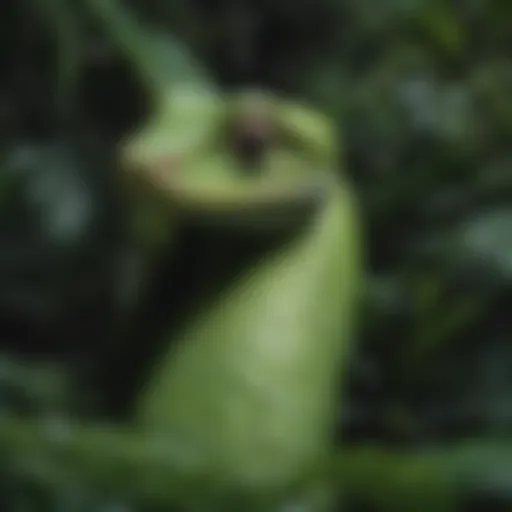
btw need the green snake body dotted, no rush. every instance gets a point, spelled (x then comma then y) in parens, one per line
(253, 382)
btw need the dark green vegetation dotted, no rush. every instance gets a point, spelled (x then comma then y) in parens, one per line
(422, 92)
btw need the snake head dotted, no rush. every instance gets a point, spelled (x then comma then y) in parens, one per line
(244, 156)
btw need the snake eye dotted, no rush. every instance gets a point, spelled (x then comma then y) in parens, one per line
(250, 147)
(254, 133)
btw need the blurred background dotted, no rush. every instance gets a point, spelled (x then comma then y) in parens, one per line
(422, 93)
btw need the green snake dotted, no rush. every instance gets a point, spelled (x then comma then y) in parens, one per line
(253, 381)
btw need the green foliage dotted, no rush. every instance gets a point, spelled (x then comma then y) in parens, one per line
(421, 92)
